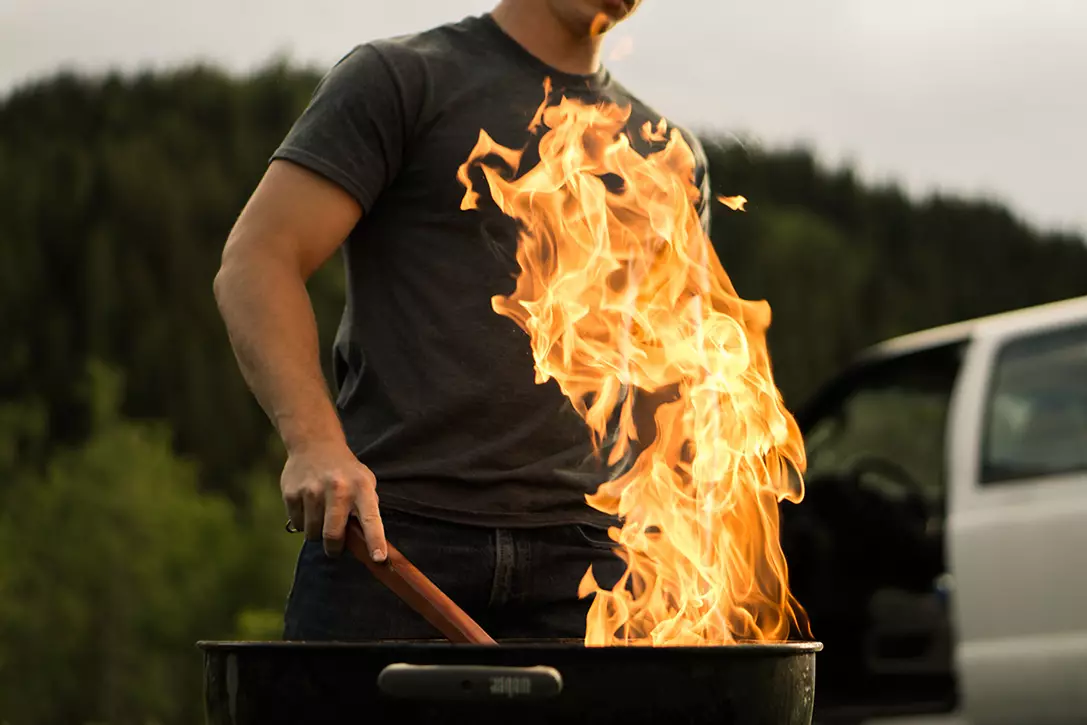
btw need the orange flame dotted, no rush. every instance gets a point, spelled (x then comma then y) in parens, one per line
(735, 203)
(621, 290)
(601, 22)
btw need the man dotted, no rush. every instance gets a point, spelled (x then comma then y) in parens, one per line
(439, 438)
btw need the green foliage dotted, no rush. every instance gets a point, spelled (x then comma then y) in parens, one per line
(813, 273)
(116, 196)
(116, 565)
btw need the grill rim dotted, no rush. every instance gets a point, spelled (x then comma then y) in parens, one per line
(742, 649)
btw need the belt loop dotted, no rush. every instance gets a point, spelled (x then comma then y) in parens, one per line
(504, 561)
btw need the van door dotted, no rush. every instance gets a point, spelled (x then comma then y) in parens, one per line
(1018, 528)
(866, 546)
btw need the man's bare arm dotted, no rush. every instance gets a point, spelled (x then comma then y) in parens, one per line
(292, 224)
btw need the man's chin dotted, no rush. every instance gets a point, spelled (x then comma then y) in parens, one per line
(616, 10)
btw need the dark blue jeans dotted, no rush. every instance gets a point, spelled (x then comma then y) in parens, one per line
(516, 583)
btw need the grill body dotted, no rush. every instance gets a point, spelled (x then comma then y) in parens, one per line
(524, 683)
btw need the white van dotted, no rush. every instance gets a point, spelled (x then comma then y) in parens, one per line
(941, 549)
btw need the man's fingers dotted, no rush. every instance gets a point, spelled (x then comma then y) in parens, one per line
(314, 515)
(339, 500)
(370, 518)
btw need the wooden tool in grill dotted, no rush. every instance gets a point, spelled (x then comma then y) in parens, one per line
(418, 592)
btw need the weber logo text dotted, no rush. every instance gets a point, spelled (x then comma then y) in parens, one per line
(511, 686)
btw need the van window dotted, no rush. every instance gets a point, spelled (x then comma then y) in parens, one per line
(1036, 415)
(892, 413)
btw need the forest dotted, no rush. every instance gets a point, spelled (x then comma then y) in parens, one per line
(139, 506)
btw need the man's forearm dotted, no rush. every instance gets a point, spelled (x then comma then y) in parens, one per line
(272, 329)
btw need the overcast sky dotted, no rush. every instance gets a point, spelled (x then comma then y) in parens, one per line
(979, 97)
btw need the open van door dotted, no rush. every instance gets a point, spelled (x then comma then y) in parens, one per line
(866, 546)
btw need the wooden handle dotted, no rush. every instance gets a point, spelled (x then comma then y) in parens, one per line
(418, 592)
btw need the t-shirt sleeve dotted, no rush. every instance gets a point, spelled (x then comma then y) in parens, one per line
(701, 179)
(705, 198)
(353, 131)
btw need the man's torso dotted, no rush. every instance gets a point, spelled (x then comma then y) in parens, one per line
(437, 392)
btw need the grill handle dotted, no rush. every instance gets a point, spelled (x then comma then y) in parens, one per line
(469, 683)
(418, 592)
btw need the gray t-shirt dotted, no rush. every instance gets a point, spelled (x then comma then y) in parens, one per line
(437, 392)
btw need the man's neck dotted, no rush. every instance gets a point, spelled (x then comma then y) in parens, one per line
(532, 24)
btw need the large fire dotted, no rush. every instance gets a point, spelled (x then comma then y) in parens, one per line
(620, 290)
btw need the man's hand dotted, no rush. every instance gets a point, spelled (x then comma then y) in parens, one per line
(323, 484)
